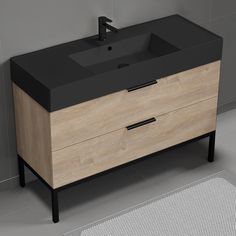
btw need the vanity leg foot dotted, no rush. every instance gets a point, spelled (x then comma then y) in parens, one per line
(21, 168)
(211, 150)
(55, 209)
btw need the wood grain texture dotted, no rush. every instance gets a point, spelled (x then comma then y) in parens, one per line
(112, 112)
(104, 152)
(33, 134)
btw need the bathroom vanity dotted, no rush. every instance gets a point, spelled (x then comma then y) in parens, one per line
(85, 107)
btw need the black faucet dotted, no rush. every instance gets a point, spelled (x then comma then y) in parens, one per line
(103, 26)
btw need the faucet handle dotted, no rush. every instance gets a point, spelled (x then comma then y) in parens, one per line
(104, 19)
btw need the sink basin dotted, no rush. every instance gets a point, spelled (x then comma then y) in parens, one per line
(123, 53)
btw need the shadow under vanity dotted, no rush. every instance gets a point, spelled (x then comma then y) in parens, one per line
(85, 107)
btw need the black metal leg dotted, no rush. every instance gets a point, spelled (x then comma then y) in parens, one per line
(55, 210)
(54, 192)
(211, 150)
(21, 172)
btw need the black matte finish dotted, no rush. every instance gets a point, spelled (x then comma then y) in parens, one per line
(54, 192)
(57, 81)
(122, 53)
(211, 150)
(55, 208)
(145, 122)
(142, 85)
(21, 169)
(103, 26)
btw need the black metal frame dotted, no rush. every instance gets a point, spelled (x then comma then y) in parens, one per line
(54, 192)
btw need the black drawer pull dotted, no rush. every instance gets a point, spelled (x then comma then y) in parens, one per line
(142, 85)
(145, 122)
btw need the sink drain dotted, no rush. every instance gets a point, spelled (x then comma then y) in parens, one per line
(122, 65)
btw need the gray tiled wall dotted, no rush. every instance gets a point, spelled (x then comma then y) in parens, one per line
(223, 22)
(29, 25)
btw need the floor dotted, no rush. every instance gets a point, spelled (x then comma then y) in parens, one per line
(27, 211)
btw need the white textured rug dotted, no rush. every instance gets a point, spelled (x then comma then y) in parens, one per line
(207, 208)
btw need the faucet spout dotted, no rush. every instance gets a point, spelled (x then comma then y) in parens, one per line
(111, 28)
(103, 26)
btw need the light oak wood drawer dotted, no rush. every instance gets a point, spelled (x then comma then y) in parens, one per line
(112, 112)
(104, 152)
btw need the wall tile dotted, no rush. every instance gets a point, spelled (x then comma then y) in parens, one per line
(222, 8)
(28, 25)
(128, 12)
(4, 160)
(226, 28)
(197, 11)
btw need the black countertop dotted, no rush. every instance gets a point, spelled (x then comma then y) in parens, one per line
(56, 81)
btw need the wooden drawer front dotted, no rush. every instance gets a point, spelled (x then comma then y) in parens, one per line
(112, 112)
(104, 152)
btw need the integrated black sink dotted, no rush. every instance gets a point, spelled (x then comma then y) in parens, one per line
(123, 53)
(85, 69)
